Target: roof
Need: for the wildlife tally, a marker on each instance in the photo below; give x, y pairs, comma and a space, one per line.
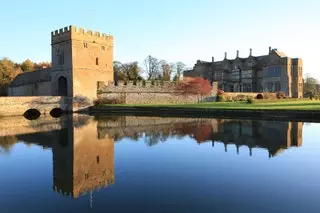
281, 54
32, 77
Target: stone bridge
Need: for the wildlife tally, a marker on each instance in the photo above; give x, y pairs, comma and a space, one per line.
19, 105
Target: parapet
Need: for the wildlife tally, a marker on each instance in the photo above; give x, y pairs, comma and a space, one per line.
135, 87
61, 31
74, 32
82, 32
135, 84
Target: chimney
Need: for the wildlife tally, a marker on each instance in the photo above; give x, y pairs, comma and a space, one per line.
269, 50
212, 59
237, 53
225, 55
250, 52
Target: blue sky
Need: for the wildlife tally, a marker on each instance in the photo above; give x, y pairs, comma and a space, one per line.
173, 30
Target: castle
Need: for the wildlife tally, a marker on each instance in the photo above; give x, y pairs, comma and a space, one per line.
83, 60
79, 60
273, 72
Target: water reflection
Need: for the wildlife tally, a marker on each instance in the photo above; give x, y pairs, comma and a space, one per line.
270, 135
83, 146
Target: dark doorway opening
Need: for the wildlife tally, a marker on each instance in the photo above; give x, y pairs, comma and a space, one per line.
62, 86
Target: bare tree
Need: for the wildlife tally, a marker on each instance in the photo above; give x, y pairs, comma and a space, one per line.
166, 70
152, 65
179, 69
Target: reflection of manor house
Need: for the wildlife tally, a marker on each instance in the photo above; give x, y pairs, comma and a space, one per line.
79, 60
273, 136
268, 73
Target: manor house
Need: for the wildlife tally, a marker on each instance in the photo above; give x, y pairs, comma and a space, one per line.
79, 60
273, 72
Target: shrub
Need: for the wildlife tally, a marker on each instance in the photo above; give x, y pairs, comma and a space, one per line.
143, 83
221, 98
101, 101
250, 100
259, 96
228, 98
266, 95
280, 95
240, 98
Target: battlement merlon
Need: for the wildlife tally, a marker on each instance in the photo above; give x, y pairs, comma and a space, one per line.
72, 32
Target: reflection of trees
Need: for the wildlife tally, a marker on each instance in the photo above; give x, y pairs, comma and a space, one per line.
6, 143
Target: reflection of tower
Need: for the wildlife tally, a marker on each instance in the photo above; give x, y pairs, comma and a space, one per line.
82, 162
296, 134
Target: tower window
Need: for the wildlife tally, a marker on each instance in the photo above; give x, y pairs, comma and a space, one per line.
61, 58
85, 45
103, 48
97, 61
98, 159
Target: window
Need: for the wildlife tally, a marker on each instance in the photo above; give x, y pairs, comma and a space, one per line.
98, 159
97, 61
273, 72
85, 44
300, 87
247, 88
103, 48
61, 58
277, 86
270, 87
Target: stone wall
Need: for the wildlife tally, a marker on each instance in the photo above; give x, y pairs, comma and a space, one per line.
148, 93
19, 105
37, 89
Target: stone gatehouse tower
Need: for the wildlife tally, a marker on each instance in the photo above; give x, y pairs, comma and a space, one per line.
79, 60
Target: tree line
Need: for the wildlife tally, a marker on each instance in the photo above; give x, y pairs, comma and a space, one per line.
311, 86
152, 69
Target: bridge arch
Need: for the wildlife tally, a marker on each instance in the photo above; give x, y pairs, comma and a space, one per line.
56, 112
62, 86
32, 114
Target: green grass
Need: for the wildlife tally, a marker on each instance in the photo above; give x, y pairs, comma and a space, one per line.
282, 104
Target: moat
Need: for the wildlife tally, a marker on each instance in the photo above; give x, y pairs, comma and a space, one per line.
81, 163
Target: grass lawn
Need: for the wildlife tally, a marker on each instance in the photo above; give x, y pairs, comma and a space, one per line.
282, 104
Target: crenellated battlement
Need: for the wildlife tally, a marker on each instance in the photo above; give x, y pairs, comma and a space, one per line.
74, 31
83, 32
132, 86
61, 31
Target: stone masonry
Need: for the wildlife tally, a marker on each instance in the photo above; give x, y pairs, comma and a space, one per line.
273, 72
159, 93
79, 60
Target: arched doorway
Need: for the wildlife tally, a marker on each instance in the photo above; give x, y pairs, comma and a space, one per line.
62, 86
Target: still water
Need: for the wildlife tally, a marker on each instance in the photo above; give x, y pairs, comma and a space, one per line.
152, 164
